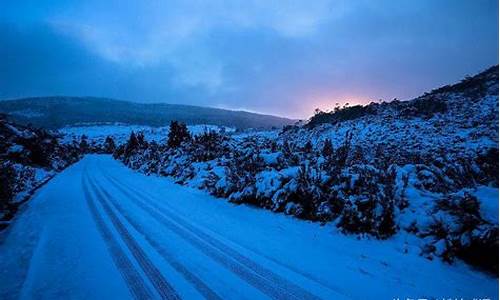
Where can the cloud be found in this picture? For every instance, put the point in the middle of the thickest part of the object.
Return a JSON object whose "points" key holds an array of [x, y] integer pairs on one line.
{"points": [[282, 57], [38, 61], [174, 32]]}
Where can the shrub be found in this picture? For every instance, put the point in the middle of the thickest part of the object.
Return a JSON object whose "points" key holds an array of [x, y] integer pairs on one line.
{"points": [[341, 114], [84, 145], [370, 203], [109, 145], [177, 134], [327, 150], [488, 163], [7, 184], [308, 193], [482, 251], [423, 107], [208, 145], [465, 235]]}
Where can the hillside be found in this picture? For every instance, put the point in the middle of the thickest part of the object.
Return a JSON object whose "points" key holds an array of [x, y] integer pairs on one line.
{"points": [[29, 157], [58, 112], [456, 120], [424, 172]]}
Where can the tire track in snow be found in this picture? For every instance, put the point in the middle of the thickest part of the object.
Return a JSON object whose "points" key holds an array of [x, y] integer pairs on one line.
{"points": [[266, 280], [312, 278], [192, 278], [133, 279], [164, 289], [239, 270]]}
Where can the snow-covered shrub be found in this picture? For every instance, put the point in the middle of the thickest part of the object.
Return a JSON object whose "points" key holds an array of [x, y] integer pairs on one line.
{"points": [[7, 184], [459, 230], [327, 150], [369, 199], [487, 161], [28, 157], [177, 134], [109, 145], [208, 146], [242, 169], [308, 193], [290, 154], [424, 107]]}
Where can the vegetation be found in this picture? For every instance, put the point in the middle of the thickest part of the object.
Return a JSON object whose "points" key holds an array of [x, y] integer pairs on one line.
{"points": [[177, 134], [57, 112], [23, 150], [360, 173], [341, 114]]}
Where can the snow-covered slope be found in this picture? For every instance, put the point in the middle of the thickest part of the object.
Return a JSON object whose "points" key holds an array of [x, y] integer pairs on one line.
{"points": [[458, 120], [28, 158], [101, 231], [427, 167]]}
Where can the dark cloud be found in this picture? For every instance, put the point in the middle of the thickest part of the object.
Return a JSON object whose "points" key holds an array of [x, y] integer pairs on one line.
{"points": [[281, 59], [39, 61]]}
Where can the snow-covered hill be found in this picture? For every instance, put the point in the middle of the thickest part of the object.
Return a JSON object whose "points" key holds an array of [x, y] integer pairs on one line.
{"points": [[460, 120], [426, 169], [29, 157]]}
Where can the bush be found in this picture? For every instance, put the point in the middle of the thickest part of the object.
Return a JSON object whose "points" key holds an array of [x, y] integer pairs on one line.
{"points": [[370, 201], [7, 184], [488, 163], [341, 114], [109, 145], [308, 193], [208, 145], [327, 150], [482, 251], [423, 107], [177, 134], [465, 234]]}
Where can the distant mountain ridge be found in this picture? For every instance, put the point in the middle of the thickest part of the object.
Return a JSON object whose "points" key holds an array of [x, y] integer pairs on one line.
{"points": [[59, 111]]}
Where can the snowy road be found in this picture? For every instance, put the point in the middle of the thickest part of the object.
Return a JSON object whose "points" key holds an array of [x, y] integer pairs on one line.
{"points": [[101, 231]]}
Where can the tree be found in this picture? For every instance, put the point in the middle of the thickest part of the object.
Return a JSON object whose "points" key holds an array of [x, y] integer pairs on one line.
{"points": [[308, 147], [178, 134], [208, 145], [7, 182], [84, 145], [109, 145], [132, 145], [41, 147], [141, 140], [327, 150], [289, 154]]}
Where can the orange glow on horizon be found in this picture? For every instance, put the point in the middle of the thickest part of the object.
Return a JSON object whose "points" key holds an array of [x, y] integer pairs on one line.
{"points": [[326, 103]]}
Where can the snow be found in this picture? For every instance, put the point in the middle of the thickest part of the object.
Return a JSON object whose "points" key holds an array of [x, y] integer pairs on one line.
{"points": [[271, 158], [469, 125], [121, 132], [55, 250], [28, 113], [22, 133], [290, 172], [270, 134], [16, 149], [268, 182], [488, 199]]}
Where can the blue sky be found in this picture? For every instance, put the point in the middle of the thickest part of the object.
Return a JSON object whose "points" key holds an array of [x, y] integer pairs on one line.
{"points": [[278, 57]]}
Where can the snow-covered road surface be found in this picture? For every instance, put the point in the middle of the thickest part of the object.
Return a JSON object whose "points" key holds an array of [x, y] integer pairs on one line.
{"points": [[101, 231]]}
